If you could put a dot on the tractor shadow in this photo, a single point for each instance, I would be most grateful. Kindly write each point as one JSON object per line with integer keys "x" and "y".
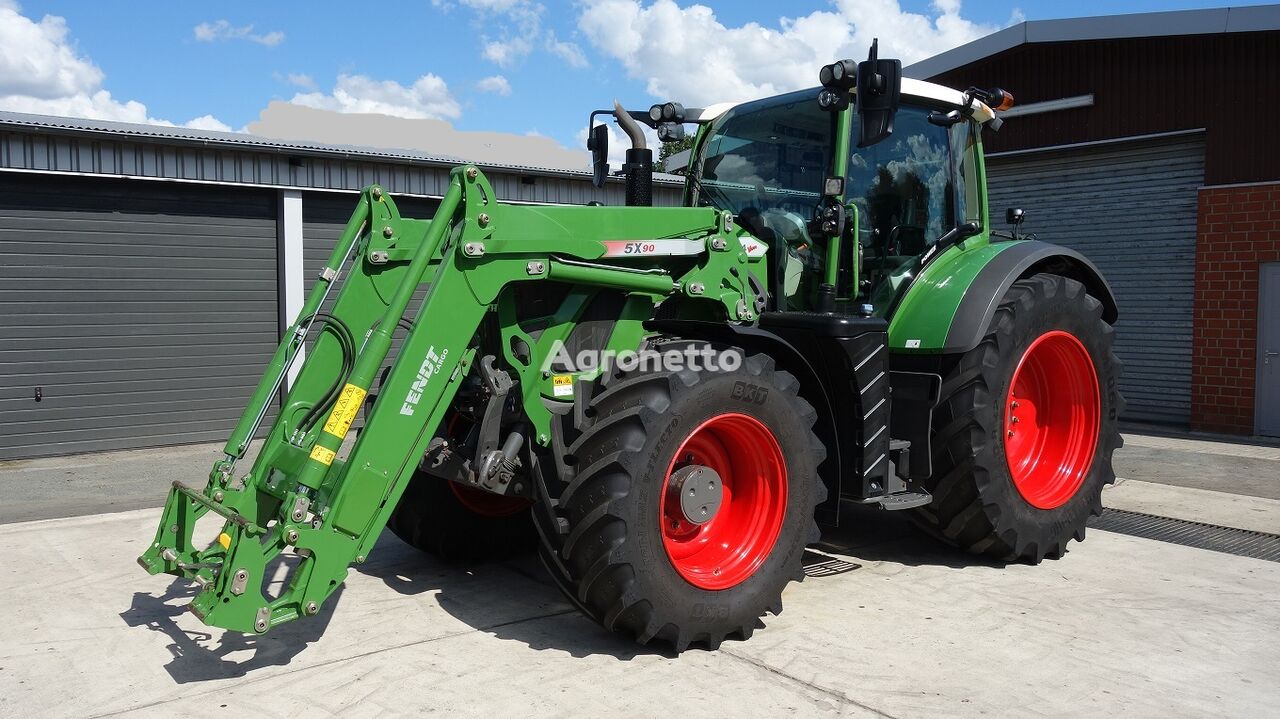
{"x": 513, "y": 599}
{"x": 205, "y": 654}
{"x": 517, "y": 600}
{"x": 870, "y": 534}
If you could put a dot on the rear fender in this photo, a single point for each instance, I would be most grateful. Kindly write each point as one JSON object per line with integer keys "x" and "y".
{"x": 949, "y": 306}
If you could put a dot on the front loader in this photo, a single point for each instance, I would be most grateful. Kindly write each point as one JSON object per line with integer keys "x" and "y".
{"x": 667, "y": 402}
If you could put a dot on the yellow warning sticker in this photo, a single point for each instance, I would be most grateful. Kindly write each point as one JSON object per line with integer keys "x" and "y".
{"x": 322, "y": 455}
{"x": 344, "y": 411}
{"x": 562, "y": 385}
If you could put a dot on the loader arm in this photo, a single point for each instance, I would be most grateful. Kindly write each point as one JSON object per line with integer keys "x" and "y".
{"x": 317, "y": 498}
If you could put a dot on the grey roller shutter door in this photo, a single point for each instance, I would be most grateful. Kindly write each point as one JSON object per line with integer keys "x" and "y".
{"x": 1131, "y": 209}
{"x": 144, "y": 311}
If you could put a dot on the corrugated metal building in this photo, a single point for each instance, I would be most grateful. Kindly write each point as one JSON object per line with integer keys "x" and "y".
{"x": 146, "y": 272}
{"x": 1148, "y": 143}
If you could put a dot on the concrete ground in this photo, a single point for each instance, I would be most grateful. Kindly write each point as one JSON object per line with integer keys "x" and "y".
{"x": 1213, "y": 463}
{"x": 888, "y": 623}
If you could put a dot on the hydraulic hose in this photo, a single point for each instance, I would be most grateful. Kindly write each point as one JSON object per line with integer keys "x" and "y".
{"x": 347, "y": 343}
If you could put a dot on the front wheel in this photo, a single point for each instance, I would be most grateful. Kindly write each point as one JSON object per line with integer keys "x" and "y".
{"x": 1026, "y": 427}
{"x": 691, "y": 502}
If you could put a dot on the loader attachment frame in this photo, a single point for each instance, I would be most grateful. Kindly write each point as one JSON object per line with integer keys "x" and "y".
{"x": 318, "y": 494}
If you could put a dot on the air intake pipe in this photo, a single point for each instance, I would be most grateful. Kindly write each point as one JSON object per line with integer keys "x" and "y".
{"x": 638, "y": 168}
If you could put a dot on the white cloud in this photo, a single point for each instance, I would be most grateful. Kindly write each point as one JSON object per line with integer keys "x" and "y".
{"x": 224, "y": 30}
{"x": 490, "y": 5}
{"x": 299, "y": 79}
{"x": 495, "y": 84}
{"x": 687, "y": 54}
{"x": 42, "y": 72}
{"x": 38, "y": 61}
{"x": 567, "y": 51}
{"x": 427, "y": 97}
{"x": 207, "y": 122}
{"x": 508, "y": 51}
{"x": 520, "y": 31}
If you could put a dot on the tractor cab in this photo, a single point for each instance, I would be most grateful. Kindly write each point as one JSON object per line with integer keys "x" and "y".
{"x": 769, "y": 161}
{"x": 853, "y": 201}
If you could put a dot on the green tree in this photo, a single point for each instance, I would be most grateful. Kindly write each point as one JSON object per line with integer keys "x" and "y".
{"x": 670, "y": 148}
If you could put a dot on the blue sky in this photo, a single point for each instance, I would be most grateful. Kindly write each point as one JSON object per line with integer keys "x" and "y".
{"x": 556, "y": 60}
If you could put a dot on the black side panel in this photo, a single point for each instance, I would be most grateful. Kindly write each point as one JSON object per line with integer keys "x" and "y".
{"x": 1020, "y": 260}
{"x": 850, "y": 354}
{"x": 915, "y": 394}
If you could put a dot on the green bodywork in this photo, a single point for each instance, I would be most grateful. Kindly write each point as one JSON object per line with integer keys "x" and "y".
{"x": 319, "y": 494}
{"x": 324, "y": 505}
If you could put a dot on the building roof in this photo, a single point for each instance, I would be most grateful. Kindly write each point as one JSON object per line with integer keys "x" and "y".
{"x": 1255, "y": 18}
{"x": 255, "y": 143}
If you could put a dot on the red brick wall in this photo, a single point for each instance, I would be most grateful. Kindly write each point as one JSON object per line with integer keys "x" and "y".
{"x": 1238, "y": 228}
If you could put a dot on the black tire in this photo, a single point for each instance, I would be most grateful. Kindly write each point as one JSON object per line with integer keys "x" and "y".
{"x": 604, "y": 544}
{"x": 976, "y": 504}
{"x": 431, "y": 517}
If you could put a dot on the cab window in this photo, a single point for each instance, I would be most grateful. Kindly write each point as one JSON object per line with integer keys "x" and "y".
{"x": 910, "y": 190}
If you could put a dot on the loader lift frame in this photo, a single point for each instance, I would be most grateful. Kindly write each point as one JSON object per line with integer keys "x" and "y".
{"x": 299, "y": 497}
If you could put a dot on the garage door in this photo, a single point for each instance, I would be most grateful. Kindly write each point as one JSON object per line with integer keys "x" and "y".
{"x": 325, "y": 215}
{"x": 132, "y": 313}
{"x": 1131, "y": 208}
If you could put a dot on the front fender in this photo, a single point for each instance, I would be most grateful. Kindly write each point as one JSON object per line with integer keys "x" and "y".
{"x": 950, "y": 304}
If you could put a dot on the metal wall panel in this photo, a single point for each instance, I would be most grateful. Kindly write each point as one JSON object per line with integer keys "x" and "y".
{"x": 145, "y": 312}
{"x": 237, "y": 163}
{"x": 1131, "y": 209}
{"x": 1141, "y": 86}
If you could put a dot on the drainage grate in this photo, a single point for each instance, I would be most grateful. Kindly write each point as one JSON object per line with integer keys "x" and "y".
{"x": 1240, "y": 542}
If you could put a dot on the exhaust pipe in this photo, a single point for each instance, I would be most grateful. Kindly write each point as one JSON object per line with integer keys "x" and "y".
{"x": 638, "y": 169}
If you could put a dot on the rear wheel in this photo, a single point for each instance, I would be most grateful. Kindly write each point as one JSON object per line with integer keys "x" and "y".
{"x": 1024, "y": 434}
{"x": 690, "y": 504}
{"x": 457, "y": 523}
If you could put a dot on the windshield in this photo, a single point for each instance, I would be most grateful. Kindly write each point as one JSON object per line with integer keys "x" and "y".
{"x": 766, "y": 155}
{"x": 765, "y": 161}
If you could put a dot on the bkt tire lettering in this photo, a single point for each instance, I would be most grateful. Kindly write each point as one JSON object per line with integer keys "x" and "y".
{"x": 749, "y": 393}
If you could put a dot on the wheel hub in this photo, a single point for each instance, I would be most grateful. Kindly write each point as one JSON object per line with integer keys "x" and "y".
{"x": 735, "y": 468}
{"x": 1052, "y": 417}
{"x": 700, "y": 490}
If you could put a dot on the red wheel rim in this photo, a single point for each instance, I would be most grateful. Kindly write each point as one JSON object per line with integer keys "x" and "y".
{"x": 1051, "y": 419}
{"x": 487, "y": 504}
{"x": 728, "y": 549}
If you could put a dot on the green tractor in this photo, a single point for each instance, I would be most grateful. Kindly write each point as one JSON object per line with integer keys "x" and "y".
{"x": 667, "y": 402}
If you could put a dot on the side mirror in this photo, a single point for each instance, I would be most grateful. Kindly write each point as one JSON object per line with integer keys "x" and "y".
{"x": 1013, "y": 216}
{"x": 598, "y": 144}
{"x": 879, "y": 89}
